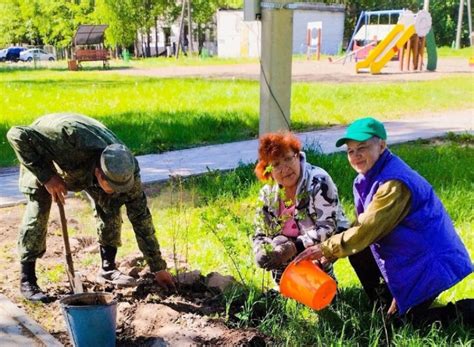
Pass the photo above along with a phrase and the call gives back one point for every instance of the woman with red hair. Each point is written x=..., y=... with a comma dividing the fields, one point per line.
x=299, y=204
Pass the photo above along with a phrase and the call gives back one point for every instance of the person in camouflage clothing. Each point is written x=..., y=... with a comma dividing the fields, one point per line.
x=69, y=152
x=299, y=205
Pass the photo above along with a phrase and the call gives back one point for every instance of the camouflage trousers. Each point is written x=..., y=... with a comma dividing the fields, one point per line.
x=33, y=229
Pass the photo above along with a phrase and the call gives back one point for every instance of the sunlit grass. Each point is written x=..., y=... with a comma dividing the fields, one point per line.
x=214, y=229
x=448, y=52
x=208, y=221
x=153, y=115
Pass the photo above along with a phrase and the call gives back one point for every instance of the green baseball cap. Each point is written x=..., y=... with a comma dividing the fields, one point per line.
x=118, y=165
x=362, y=130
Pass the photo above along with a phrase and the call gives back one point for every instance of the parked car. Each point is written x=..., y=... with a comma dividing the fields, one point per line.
x=3, y=54
x=36, y=53
x=13, y=53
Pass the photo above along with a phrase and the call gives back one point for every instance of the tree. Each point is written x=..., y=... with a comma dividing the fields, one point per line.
x=122, y=20
x=203, y=12
x=165, y=12
x=61, y=18
x=12, y=29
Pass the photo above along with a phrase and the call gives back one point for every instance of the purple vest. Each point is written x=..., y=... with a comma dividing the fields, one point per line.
x=423, y=255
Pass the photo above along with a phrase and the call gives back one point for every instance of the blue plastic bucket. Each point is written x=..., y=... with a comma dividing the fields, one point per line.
x=90, y=318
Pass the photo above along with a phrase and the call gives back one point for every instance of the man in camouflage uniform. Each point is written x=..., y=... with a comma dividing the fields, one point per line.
x=70, y=152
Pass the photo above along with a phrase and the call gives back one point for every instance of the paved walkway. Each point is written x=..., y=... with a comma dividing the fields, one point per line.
x=17, y=329
x=159, y=167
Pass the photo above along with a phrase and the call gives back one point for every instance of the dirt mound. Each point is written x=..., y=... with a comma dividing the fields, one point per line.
x=161, y=324
x=146, y=314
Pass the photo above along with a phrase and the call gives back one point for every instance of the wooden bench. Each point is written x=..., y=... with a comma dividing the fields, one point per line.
x=92, y=55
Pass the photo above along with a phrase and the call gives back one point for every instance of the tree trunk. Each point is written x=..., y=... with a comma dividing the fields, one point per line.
x=180, y=34
x=201, y=38
x=135, y=46
x=143, y=45
x=148, y=45
x=156, y=36
x=190, y=29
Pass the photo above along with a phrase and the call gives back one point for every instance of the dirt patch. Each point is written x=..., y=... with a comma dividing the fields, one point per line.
x=310, y=71
x=146, y=314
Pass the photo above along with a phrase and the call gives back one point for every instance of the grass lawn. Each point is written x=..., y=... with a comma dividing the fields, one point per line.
x=448, y=52
x=152, y=115
x=208, y=221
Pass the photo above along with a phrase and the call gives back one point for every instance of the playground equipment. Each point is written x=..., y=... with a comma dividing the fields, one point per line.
x=313, y=39
x=366, y=35
x=409, y=29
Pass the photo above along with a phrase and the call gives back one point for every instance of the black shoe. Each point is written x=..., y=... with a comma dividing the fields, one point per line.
x=32, y=292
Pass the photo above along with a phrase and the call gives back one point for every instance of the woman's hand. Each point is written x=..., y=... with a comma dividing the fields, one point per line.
x=310, y=253
x=393, y=308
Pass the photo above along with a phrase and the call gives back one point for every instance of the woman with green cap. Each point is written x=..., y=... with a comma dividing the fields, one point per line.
x=403, y=245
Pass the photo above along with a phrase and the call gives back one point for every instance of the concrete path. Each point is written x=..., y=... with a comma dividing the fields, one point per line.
x=17, y=329
x=159, y=167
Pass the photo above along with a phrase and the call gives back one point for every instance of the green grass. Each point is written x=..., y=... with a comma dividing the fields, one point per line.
x=448, y=52
x=152, y=115
x=208, y=221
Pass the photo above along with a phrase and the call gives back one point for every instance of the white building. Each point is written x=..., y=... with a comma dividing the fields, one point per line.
x=236, y=38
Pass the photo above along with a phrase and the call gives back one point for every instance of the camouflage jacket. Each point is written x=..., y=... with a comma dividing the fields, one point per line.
x=70, y=145
x=318, y=212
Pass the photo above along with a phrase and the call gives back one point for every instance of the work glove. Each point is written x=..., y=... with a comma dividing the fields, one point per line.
x=267, y=259
x=284, y=248
x=275, y=254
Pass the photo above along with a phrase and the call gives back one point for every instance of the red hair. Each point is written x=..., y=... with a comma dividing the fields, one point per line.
x=271, y=147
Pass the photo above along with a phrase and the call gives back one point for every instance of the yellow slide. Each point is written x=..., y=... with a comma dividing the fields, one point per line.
x=386, y=49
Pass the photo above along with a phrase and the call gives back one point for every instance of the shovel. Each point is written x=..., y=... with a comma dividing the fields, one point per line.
x=74, y=277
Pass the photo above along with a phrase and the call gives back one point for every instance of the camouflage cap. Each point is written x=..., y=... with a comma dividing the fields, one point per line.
x=118, y=165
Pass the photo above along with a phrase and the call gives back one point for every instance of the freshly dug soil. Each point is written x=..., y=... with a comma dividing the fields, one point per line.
x=146, y=315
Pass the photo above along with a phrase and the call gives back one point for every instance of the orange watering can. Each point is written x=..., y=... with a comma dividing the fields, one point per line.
x=308, y=284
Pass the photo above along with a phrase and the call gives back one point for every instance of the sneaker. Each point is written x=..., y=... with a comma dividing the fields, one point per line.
x=31, y=291
x=115, y=277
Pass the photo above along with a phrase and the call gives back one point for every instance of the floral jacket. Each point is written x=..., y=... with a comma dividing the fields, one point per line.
x=318, y=212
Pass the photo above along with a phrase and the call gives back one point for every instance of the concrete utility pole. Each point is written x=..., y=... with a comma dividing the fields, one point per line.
x=190, y=29
x=458, y=30
x=426, y=5
x=469, y=18
x=275, y=69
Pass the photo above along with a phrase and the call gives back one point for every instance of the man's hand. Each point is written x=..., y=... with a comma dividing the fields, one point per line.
x=393, y=308
x=310, y=253
x=165, y=280
x=57, y=188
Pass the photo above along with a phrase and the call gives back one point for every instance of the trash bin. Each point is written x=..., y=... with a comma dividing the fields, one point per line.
x=72, y=65
x=204, y=53
x=126, y=56
x=90, y=319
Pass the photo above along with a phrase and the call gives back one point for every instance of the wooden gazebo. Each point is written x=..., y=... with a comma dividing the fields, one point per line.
x=88, y=45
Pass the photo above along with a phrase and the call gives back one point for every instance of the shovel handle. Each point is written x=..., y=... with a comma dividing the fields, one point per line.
x=67, y=247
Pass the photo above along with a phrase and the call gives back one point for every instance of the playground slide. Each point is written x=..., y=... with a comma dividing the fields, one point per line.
x=387, y=48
